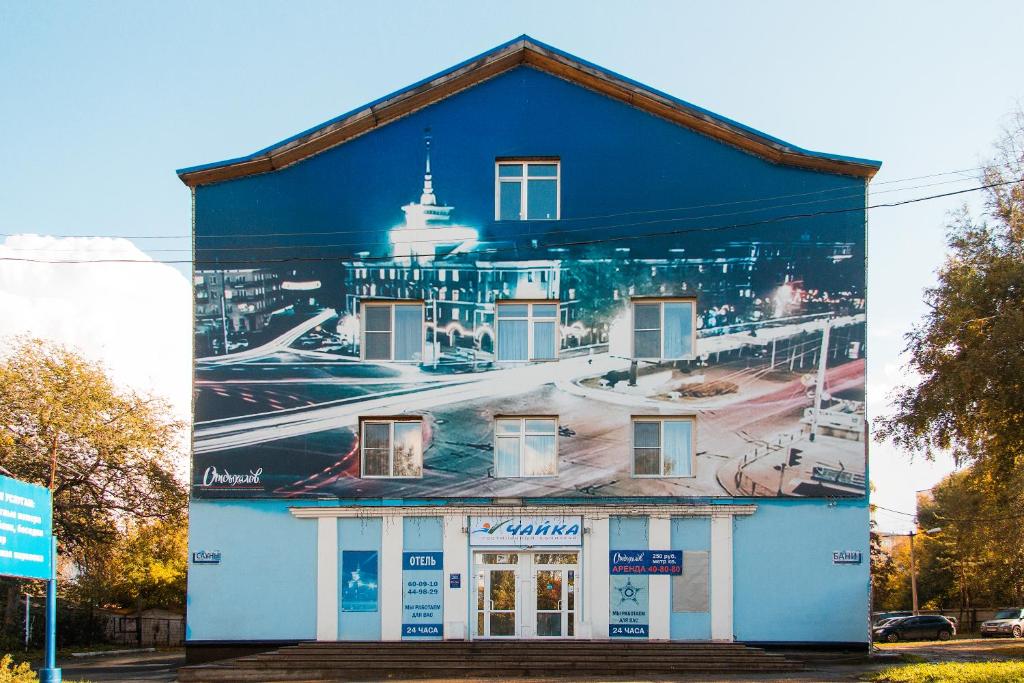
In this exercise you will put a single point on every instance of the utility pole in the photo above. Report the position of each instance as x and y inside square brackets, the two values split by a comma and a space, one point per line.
[913, 575]
[819, 385]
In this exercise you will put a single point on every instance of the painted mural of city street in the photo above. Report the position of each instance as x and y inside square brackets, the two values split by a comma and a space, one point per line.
[776, 383]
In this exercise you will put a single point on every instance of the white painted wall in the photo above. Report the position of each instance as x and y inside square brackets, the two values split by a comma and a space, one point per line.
[721, 578]
[391, 591]
[659, 534]
[327, 578]
[596, 586]
[456, 560]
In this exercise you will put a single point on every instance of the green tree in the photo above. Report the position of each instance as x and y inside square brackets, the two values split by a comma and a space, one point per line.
[108, 454]
[969, 350]
[145, 566]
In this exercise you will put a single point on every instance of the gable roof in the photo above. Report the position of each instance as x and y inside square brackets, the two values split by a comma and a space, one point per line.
[522, 51]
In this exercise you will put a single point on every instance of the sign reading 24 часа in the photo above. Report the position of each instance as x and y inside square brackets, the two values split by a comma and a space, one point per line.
[645, 562]
[26, 529]
[422, 601]
[528, 530]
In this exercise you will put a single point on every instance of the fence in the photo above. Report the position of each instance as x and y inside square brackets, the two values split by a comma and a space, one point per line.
[145, 632]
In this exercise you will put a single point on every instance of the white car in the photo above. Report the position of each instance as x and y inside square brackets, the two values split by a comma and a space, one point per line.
[1007, 622]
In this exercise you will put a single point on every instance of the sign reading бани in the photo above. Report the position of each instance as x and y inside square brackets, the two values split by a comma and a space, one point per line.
[26, 529]
[524, 531]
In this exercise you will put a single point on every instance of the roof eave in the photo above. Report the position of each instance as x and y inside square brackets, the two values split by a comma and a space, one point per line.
[522, 51]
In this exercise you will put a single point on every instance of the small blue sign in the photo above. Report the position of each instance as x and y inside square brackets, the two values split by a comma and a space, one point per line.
[359, 585]
[422, 561]
[206, 557]
[26, 529]
[422, 630]
[656, 562]
[455, 580]
[627, 630]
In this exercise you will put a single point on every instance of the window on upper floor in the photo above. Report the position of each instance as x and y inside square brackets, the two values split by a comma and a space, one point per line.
[526, 446]
[392, 330]
[527, 330]
[391, 447]
[664, 329]
[527, 190]
[663, 446]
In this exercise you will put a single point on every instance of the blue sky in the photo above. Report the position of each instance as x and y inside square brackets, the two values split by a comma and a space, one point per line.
[102, 101]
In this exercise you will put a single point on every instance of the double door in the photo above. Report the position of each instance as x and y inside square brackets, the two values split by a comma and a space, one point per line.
[526, 594]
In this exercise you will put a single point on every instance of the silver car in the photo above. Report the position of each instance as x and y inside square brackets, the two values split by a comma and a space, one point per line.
[1007, 622]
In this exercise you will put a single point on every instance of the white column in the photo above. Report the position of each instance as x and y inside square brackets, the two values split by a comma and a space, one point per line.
[659, 603]
[391, 588]
[327, 578]
[721, 578]
[596, 586]
[456, 561]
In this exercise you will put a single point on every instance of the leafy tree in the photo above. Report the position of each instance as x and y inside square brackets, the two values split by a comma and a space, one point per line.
[107, 453]
[146, 566]
[969, 350]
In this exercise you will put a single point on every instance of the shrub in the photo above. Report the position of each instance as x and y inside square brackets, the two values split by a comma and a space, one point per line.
[15, 673]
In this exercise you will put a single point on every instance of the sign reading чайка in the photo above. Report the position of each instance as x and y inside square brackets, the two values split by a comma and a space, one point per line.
[26, 529]
[526, 530]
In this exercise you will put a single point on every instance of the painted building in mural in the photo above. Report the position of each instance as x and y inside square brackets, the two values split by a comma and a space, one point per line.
[529, 350]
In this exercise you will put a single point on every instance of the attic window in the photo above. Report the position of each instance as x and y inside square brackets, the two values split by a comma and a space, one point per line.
[527, 190]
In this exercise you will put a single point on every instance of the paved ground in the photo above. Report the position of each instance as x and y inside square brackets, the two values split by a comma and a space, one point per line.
[140, 666]
[160, 666]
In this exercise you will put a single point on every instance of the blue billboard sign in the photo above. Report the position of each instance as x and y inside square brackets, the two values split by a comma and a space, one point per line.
[26, 529]
[655, 562]
[422, 606]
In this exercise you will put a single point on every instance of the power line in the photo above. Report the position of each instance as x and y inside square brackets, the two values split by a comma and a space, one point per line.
[428, 241]
[517, 249]
[596, 217]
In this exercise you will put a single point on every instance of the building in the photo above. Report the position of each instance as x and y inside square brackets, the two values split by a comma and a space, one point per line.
[536, 352]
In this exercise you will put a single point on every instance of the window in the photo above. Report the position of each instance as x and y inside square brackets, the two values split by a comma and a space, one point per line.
[393, 331]
[527, 190]
[664, 329]
[525, 447]
[527, 331]
[663, 447]
[391, 448]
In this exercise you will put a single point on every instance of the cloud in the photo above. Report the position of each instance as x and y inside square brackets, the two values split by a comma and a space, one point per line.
[135, 318]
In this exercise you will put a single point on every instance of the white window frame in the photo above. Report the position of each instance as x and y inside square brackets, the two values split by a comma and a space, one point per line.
[661, 301]
[391, 303]
[391, 422]
[530, 321]
[522, 180]
[522, 444]
[661, 420]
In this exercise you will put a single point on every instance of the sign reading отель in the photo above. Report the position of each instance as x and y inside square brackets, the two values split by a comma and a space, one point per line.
[422, 604]
[26, 529]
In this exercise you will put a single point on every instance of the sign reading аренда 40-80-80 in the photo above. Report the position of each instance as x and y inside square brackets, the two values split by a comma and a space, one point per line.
[26, 529]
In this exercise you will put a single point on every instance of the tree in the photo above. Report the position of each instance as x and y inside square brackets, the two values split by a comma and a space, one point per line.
[969, 350]
[145, 566]
[107, 453]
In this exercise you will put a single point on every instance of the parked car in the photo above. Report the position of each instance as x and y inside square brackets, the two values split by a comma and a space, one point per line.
[879, 617]
[1006, 622]
[923, 627]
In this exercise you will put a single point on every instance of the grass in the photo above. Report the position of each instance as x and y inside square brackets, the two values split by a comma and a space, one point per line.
[954, 672]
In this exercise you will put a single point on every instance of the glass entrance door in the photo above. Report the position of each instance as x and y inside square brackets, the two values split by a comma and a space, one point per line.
[526, 594]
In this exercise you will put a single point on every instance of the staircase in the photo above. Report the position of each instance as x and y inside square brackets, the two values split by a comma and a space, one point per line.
[373, 661]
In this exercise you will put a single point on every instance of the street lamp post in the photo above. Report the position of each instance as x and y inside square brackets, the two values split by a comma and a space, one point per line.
[913, 567]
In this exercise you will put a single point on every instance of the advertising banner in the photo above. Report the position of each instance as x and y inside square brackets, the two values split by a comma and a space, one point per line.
[658, 562]
[422, 605]
[26, 529]
[289, 358]
[628, 607]
[526, 531]
[359, 580]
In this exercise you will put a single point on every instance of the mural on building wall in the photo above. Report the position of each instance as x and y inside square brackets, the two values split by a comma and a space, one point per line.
[282, 381]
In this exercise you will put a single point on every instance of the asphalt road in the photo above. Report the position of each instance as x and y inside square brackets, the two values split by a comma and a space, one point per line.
[141, 666]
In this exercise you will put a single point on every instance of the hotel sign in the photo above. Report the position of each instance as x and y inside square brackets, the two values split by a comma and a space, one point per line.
[26, 529]
[526, 531]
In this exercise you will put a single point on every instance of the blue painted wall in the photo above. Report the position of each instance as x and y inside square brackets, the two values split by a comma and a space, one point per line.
[691, 533]
[785, 585]
[265, 585]
[615, 158]
[359, 534]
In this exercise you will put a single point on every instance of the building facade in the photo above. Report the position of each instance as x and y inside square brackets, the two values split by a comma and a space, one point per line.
[529, 350]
